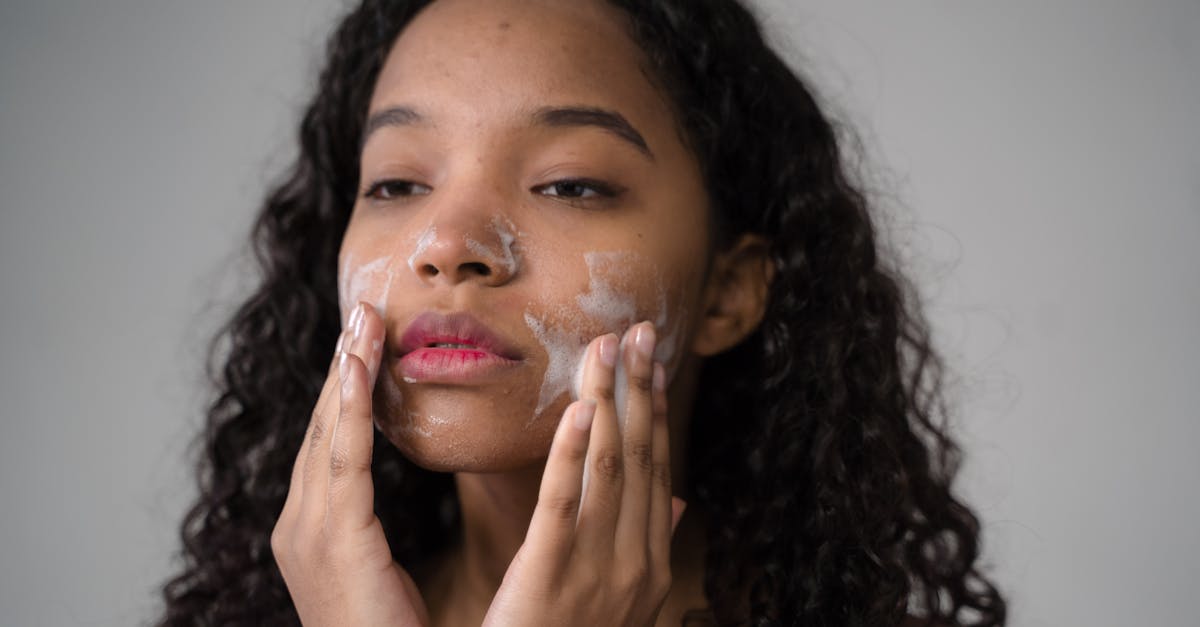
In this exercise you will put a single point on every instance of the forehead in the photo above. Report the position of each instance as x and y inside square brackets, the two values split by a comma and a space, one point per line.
[482, 59]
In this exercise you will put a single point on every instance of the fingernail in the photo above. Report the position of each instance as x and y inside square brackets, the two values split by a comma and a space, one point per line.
[584, 412]
[343, 366]
[659, 380]
[341, 340]
[608, 350]
[357, 320]
[643, 340]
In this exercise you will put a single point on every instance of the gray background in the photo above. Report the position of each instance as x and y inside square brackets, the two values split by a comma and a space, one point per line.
[1039, 165]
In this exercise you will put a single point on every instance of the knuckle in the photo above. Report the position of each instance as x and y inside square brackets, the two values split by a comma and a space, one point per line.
[339, 463]
[642, 455]
[608, 465]
[318, 431]
[640, 382]
[661, 473]
[660, 583]
[603, 389]
[561, 507]
[633, 579]
[343, 466]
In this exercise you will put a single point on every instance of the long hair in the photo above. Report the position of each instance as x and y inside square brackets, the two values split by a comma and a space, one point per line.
[818, 448]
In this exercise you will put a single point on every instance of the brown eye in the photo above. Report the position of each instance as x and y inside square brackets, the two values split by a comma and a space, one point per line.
[392, 189]
[577, 189]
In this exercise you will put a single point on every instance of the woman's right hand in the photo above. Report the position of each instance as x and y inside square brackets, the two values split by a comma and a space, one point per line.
[328, 542]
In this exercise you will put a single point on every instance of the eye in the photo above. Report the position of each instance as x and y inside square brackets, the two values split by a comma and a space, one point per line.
[577, 189]
[395, 188]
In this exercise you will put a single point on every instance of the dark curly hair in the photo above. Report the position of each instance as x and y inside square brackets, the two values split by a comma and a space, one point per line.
[841, 512]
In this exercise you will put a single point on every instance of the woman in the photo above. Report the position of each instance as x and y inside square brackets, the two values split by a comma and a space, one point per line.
[572, 258]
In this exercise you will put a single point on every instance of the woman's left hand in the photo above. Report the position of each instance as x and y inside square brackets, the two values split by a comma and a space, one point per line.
[598, 549]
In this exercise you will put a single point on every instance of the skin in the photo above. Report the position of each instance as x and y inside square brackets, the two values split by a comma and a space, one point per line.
[477, 160]
[480, 214]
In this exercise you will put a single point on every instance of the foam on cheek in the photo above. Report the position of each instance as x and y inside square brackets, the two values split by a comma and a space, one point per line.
[606, 305]
[370, 282]
[614, 308]
[564, 353]
[566, 343]
[603, 302]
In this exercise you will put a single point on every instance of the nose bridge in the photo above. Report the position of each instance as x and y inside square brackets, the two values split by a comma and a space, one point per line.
[469, 237]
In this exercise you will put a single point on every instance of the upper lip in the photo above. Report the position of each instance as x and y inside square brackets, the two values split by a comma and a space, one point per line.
[433, 327]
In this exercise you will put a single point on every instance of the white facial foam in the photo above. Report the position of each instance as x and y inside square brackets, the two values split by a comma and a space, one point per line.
[562, 330]
[428, 236]
[370, 282]
[564, 351]
[507, 256]
[603, 302]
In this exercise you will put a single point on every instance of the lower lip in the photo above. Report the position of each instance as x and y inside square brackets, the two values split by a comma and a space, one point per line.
[452, 365]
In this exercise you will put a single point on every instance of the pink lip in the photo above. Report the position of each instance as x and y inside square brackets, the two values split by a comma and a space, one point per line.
[478, 353]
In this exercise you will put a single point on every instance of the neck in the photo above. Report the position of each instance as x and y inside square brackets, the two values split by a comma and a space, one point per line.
[496, 509]
[495, 512]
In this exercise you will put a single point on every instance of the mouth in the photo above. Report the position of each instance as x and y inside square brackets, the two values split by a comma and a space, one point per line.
[452, 349]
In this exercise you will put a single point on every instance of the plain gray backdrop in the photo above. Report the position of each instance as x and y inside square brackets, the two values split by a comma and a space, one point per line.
[1037, 164]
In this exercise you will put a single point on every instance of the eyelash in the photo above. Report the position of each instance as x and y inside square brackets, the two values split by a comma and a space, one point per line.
[602, 191]
[373, 191]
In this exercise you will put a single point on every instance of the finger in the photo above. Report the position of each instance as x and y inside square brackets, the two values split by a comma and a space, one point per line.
[662, 522]
[553, 524]
[637, 431]
[604, 467]
[352, 491]
[328, 389]
[317, 453]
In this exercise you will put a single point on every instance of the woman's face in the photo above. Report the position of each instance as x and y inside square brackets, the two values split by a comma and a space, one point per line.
[523, 190]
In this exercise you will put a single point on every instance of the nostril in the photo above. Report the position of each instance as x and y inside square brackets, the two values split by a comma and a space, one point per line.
[478, 268]
[431, 269]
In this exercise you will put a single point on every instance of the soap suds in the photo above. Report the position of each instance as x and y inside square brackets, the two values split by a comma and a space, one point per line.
[508, 257]
[563, 351]
[615, 309]
[428, 236]
[369, 282]
[344, 288]
[669, 336]
[603, 302]
[606, 305]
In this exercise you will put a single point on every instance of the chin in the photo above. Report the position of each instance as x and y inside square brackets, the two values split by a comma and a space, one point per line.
[455, 432]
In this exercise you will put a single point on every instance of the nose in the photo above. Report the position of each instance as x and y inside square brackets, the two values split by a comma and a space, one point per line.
[462, 249]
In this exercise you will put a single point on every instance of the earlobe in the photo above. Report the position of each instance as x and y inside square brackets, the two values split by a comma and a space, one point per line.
[735, 296]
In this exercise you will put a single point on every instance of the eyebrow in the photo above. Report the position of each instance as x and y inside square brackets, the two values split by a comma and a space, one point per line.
[572, 116]
[605, 119]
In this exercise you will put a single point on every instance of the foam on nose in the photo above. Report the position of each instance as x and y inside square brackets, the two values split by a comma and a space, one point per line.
[423, 242]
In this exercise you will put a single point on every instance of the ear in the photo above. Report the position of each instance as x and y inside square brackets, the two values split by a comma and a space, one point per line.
[735, 296]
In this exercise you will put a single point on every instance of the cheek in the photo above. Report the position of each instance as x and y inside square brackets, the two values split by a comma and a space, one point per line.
[622, 288]
[368, 280]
